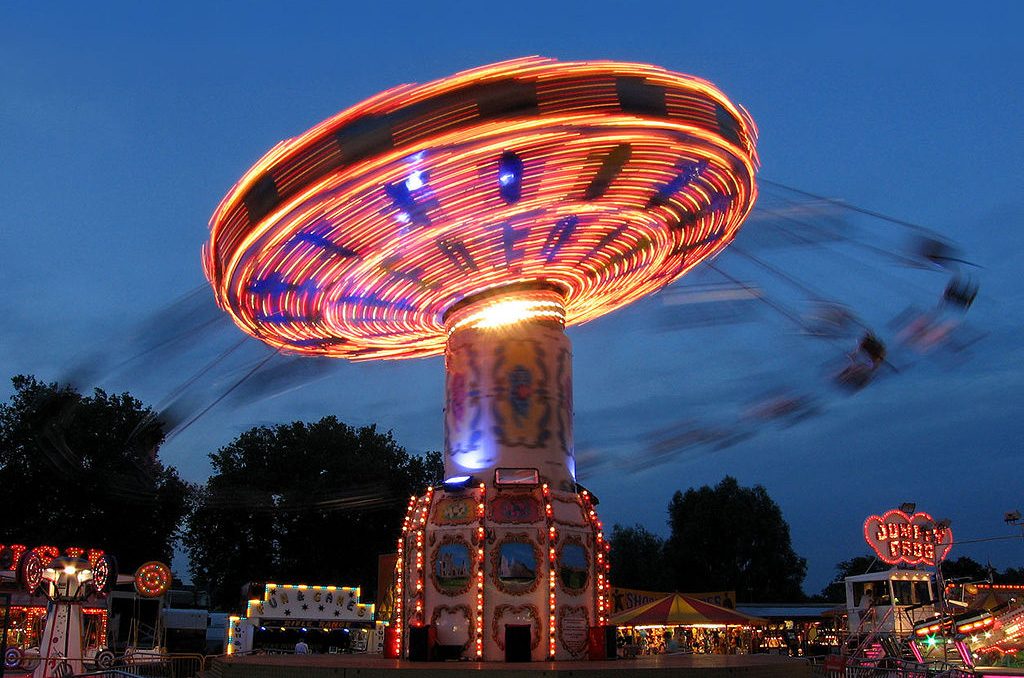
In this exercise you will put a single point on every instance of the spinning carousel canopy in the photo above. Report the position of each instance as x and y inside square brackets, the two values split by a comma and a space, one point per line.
[601, 181]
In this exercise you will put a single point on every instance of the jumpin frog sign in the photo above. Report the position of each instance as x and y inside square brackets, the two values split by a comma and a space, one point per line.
[898, 537]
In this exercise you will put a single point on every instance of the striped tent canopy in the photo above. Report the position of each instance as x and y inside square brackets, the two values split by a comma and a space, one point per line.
[678, 610]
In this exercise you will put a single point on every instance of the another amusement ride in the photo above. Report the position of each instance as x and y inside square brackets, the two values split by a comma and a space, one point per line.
[70, 634]
[907, 621]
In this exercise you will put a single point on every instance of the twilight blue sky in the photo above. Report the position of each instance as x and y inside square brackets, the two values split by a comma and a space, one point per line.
[122, 126]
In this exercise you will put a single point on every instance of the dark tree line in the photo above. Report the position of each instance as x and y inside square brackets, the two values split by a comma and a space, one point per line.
[729, 537]
[310, 503]
[302, 503]
[725, 537]
[83, 470]
[317, 502]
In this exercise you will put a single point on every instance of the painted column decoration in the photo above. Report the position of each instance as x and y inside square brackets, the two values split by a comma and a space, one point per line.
[508, 394]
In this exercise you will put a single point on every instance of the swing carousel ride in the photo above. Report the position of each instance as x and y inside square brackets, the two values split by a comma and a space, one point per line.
[480, 216]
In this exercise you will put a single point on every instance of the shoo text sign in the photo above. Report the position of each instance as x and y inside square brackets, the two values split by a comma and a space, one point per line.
[898, 537]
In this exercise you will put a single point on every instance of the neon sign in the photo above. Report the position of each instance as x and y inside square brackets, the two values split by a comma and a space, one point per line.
[898, 537]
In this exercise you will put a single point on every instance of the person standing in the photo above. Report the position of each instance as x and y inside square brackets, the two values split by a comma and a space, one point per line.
[301, 647]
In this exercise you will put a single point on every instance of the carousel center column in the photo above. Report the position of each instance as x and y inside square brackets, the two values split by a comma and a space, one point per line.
[507, 560]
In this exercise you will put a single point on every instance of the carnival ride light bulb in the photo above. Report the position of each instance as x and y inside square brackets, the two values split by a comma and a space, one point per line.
[415, 181]
[70, 569]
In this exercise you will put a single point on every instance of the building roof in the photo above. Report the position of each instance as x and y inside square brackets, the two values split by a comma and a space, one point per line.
[680, 610]
[787, 611]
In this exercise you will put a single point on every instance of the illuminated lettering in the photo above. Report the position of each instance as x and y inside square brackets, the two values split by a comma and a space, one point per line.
[898, 537]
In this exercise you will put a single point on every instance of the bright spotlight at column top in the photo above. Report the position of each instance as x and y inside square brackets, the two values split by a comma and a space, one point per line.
[504, 308]
[603, 180]
[512, 311]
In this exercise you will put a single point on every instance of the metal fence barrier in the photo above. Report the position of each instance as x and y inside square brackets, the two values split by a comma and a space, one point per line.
[144, 666]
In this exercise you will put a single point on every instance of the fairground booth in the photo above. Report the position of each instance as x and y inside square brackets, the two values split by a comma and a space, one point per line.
[330, 619]
[796, 629]
[681, 623]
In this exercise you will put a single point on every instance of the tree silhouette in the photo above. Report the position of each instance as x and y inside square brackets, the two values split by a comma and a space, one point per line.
[965, 569]
[729, 537]
[637, 559]
[302, 503]
[835, 590]
[84, 471]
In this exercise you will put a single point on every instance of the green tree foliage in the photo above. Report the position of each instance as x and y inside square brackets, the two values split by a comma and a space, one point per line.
[302, 503]
[835, 591]
[637, 559]
[729, 537]
[83, 471]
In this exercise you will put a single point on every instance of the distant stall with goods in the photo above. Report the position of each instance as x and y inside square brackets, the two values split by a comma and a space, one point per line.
[680, 623]
[329, 619]
[795, 629]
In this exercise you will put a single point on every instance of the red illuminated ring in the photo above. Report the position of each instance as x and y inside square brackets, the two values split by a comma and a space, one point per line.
[32, 565]
[101, 573]
[605, 181]
[152, 579]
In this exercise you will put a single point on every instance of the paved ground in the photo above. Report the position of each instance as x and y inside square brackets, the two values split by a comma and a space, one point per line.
[372, 666]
